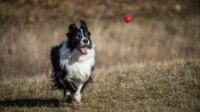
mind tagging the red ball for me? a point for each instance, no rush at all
(128, 19)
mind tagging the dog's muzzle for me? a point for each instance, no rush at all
(84, 46)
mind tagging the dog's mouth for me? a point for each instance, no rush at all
(84, 49)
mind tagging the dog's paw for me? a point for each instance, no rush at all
(77, 97)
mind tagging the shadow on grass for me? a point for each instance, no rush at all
(31, 103)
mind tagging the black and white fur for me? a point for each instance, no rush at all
(73, 62)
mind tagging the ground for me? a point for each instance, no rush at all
(164, 86)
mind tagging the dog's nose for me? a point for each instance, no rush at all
(85, 41)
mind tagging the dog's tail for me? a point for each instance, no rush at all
(57, 74)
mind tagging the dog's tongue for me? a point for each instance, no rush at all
(83, 50)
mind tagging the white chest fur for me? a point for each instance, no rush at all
(78, 66)
(80, 70)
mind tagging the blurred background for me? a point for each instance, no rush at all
(162, 30)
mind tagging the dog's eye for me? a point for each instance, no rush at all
(86, 35)
(78, 36)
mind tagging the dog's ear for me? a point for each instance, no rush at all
(71, 31)
(83, 25)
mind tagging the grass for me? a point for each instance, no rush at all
(166, 86)
(141, 41)
(148, 65)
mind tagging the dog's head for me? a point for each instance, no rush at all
(79, 38)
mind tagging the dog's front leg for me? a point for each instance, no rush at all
(77, 94)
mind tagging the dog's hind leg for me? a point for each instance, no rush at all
(67, 95)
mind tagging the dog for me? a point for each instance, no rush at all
(73, 62)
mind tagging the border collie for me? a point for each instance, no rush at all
(73, 62)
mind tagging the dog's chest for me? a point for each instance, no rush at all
(79, 70)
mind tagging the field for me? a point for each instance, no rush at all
(150, 65)
(167, 86)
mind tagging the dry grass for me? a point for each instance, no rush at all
(151, 40)
(167, 86)
(149, 65)
(26, 48)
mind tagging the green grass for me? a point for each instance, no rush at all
(162, 86)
